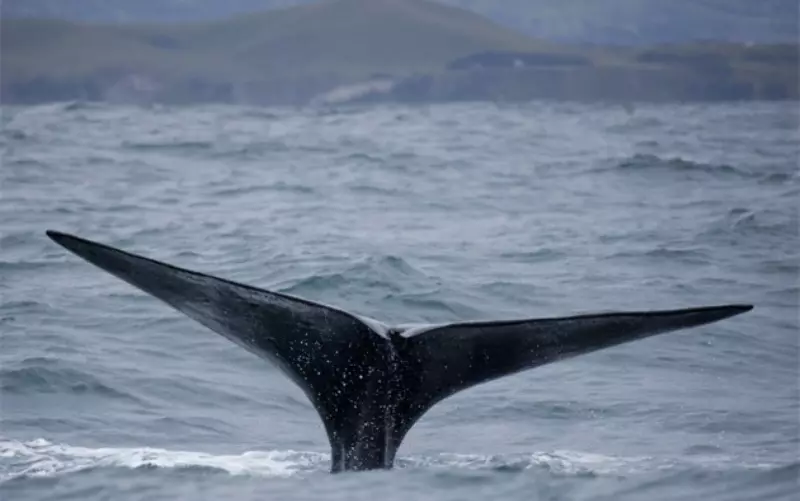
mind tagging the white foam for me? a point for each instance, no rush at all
(574, 462)
(567, 462)
(43, 458)
(562, 462)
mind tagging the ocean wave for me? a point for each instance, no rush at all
(665, 253)
(359, 157)
(181, 146)
(740, 221)
(20, 266)
(533, 256)
(256, 188)
(780, 177)
(787, 266)
(385, 272)
(81, 106)
(761, 222)
(43, 375)
(42, 458)
(291, 188)
(25, 163)
(433, 305)
(759, 481)
(636, 124)
(13, 134)
(260, 113)
(249, 151)
(390, 285)
(371, 189)
(24, 306)
(641, 161)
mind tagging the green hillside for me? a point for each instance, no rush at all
(293, 54)
(346, 36)
(614, 22)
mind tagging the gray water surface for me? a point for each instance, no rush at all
(405, 214)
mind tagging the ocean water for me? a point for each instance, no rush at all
(405, 214)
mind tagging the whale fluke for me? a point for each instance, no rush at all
(370, 382)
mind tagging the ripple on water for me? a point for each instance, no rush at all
(47, 375)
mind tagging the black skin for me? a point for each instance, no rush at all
(369, 382)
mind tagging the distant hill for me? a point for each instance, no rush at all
(629, 22)
(342, 36)
(645, 22)
(407, 50)
(139, 11)
(283, 52)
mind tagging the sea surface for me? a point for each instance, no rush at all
(404, 214)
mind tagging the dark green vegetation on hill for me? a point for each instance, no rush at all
(408, 50)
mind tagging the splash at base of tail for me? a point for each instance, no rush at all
(370, 382)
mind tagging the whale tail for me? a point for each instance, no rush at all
(370, 382)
